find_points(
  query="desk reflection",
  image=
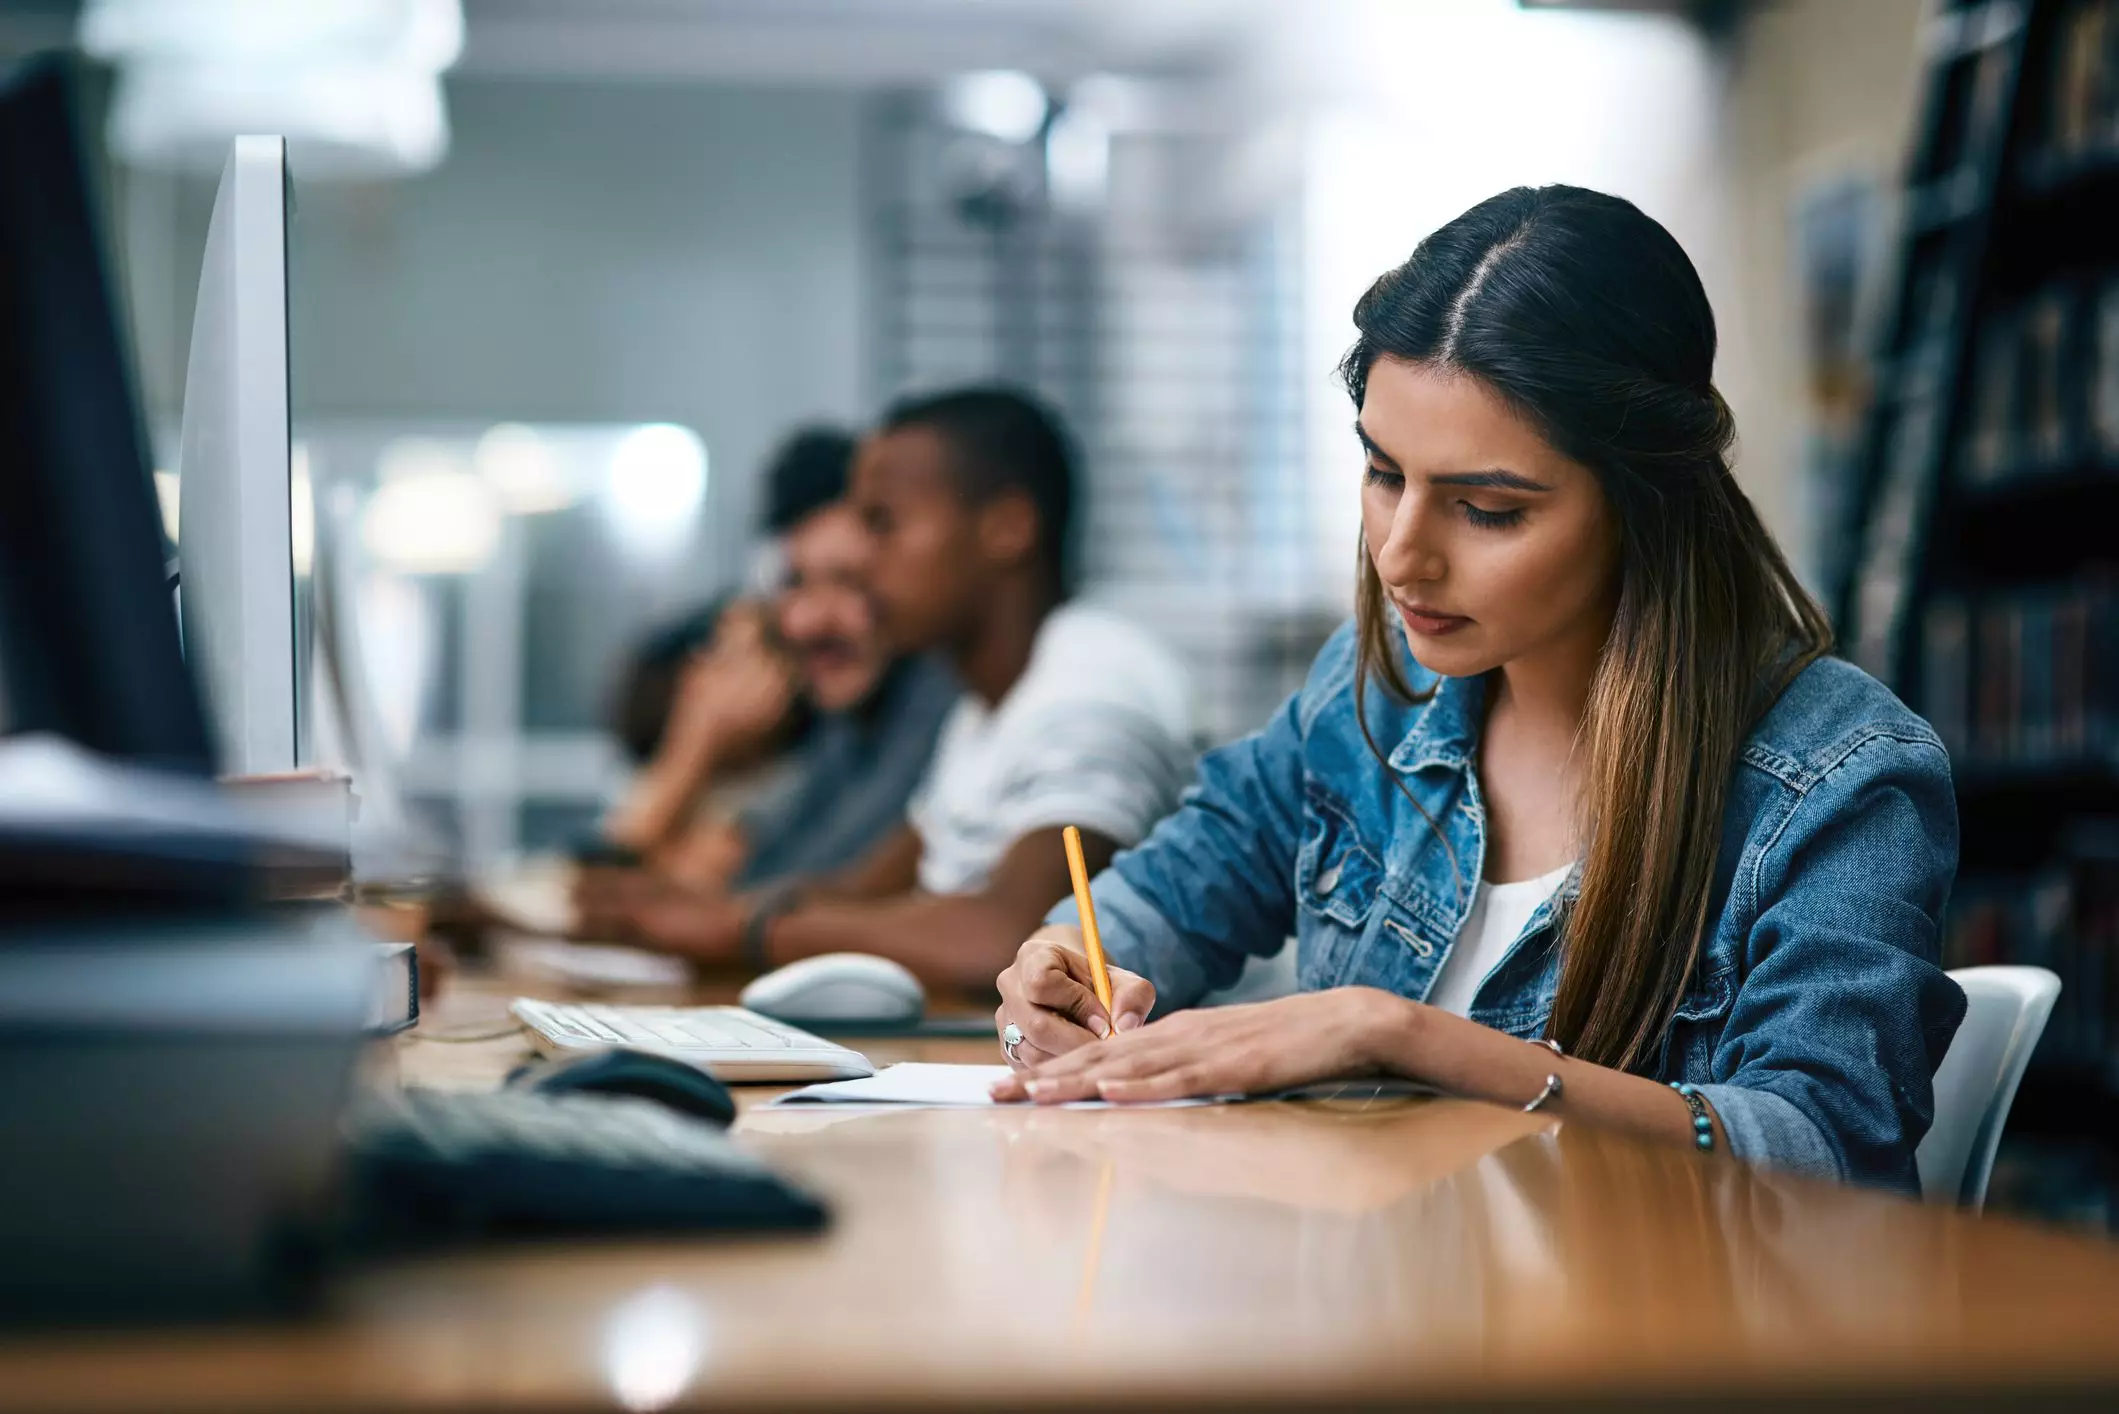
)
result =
(1314, 1255)
(1460, 1225)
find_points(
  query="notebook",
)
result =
(922, 1084)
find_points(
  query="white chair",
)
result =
(2006, 1010)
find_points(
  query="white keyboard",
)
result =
(726, 1042)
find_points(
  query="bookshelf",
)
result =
(1985, 582)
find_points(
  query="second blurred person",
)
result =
(813, 651)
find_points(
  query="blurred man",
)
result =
(814, 649)
(1070, 715)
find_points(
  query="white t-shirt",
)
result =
(1498, 914)
(1096, 733)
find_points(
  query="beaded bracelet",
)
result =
(1702, 1122)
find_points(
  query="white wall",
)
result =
(1442, 106)
(1423, 110)
(1818, 89)
(590, 252)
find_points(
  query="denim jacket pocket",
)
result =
(1336, 873)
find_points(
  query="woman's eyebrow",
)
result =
(1492, 479)
(1373, 450)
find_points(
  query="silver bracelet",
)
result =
(1553, 1087)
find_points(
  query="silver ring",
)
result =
(1011, 1037)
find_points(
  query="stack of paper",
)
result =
(930, 1086)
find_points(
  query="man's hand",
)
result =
(648, 910)
(705, 858)
(734, 696)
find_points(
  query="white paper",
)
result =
(928, 1085)
(595, 964)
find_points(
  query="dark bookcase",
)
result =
(1985, 582)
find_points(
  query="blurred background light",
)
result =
(301, 508)
(1078, 159)
(167, 498)
(524, 470)
(654, 487)
(354, 85)
(408, 458)
(431, 514)
(1005, 104)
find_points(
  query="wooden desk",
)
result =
(1293, 1256)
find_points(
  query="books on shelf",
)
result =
(1958, 159)
(2045, 386)
(1989, 448)
(2081, 119)
(2063, 917)
(2045, 414)
(2025, 678)
(2102, 351)
(1946, 658)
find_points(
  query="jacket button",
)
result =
(1328, 880)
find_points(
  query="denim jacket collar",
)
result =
(1447, 733)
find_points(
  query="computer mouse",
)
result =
(843, 987)
(682, 1087)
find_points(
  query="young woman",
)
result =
(1577, 812)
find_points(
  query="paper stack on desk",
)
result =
(925, 1085)
(921, 1085)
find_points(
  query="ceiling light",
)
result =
(654, 487)
(1006, 104)
(1078, 159)
(353, 85)
(431, 514)
(524, 469)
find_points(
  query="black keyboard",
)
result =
(438, 1163)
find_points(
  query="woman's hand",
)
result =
(1050, 994)
(1234, 1050)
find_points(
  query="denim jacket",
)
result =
(1816, 1016)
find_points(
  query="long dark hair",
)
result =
(1585, 316)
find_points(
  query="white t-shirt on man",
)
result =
(1096, 733)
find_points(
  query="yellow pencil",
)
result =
(1079, 868)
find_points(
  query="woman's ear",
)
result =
(1007, 528)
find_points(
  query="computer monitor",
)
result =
(345, 726)
(235, 499)
(88, 634)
